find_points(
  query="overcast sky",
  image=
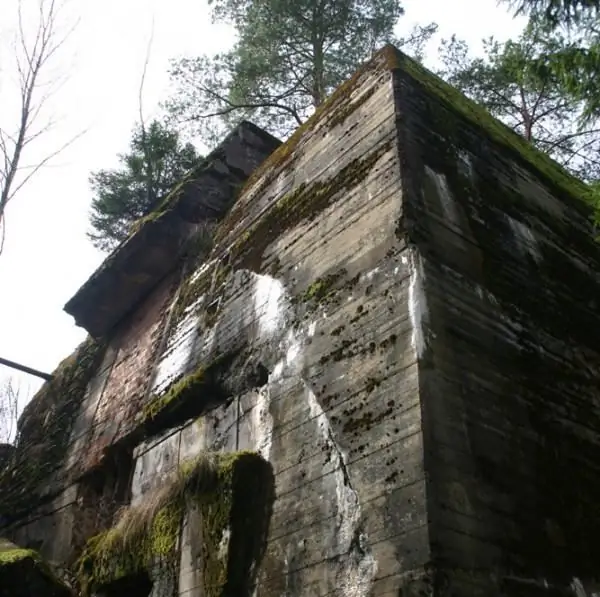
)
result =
(46, 255)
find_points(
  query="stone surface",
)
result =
(398, 314)
(24, 574)
(510, 362)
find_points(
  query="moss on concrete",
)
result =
(305, 202)
(498, 132)
(45, 429)
(189, 396)
(23, 573)
(331, 113)
(187, 388)
(224, 487)
(322, 287)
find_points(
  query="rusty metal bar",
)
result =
(25, 369)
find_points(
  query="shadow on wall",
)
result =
(250, 520)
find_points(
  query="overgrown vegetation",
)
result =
(150, 532)
(44, 432)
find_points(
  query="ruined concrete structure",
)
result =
(375, 374)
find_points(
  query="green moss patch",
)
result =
(231, 491)
(189, 387)
(322, 287)
(303, 203)
(333, 112)
(23, 573)
(189, 397)
(44, 432)
(555, 174)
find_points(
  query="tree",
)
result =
(556, 12)
(9, 408)
(576, 65)
(288, 58)
(32, 53)
(157, 159)
(533, 105)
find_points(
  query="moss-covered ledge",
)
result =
(32, 471)
(539, 162)
(233, 493)
(23, 573)
(189, 397)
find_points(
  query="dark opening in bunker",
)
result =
(138, 585)
(112, 479)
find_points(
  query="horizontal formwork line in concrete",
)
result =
(328, 473)
(335, 557)
(97, 423)
(351, 396)
(380, 197)
(328, 559)
(350, 462)
(388, 491)
(100, 423)
(349, 137)
(351, 217)
(27, 521)
(317, 175)
(248, 413)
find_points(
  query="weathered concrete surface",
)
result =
(336, 408)
(509, 360)
(382, 318)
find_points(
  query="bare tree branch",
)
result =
(148, 166)
(9, 410)
(32, 56)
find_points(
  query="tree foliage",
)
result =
(557, 12)
(534, 104)
(156, 160)
(576, 65)
(288, 58)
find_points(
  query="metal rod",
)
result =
(25, 369)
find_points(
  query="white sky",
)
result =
(47, 256)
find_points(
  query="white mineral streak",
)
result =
(262, 422)
(201, 270)
(465, 163)
(224, 544)
(272, 308)
(525, 239)
(358, 569)
(176, 357)
(417, 303)
(270, 305)
(446, 199)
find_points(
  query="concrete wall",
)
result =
(386, 295)
(510, 361)
(338, 412)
